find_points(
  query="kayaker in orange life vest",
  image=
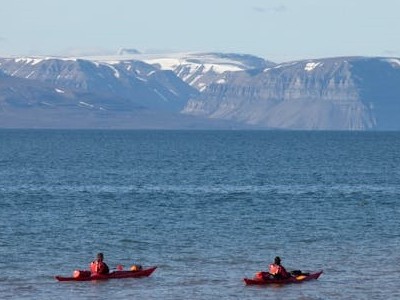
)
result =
(98, 266)
(277, 270)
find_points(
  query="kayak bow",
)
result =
(293, 279)
(112, 275)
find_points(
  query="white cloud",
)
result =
(273, 9)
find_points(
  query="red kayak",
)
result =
(86, 276)
(294, 279)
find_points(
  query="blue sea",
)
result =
(207, 207)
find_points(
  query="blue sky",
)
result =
(280, 30)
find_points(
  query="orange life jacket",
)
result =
(98, 267)
(275, 269)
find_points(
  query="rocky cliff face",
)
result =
(198, 89)
(335, 94)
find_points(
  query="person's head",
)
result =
(100, 256)
(277, 260)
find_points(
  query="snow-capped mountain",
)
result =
(200, 90)
(104, 86)
(202, 69)
(348, 93)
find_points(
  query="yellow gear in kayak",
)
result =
(136, 268)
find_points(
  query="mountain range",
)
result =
(199, 91)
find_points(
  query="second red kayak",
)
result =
(113, 275)
(294, 279)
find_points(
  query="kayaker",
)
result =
(277, 270)
(98, 266)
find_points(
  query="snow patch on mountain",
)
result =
(28, 60)
(161, 95)
(221, 81)
(192, 81)
(165, 63)
(116, 73)
(195, 64)
(84, 104)
(202, 87)
(30, 74)
(36, 60)
(395, 62)
(311, 66)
